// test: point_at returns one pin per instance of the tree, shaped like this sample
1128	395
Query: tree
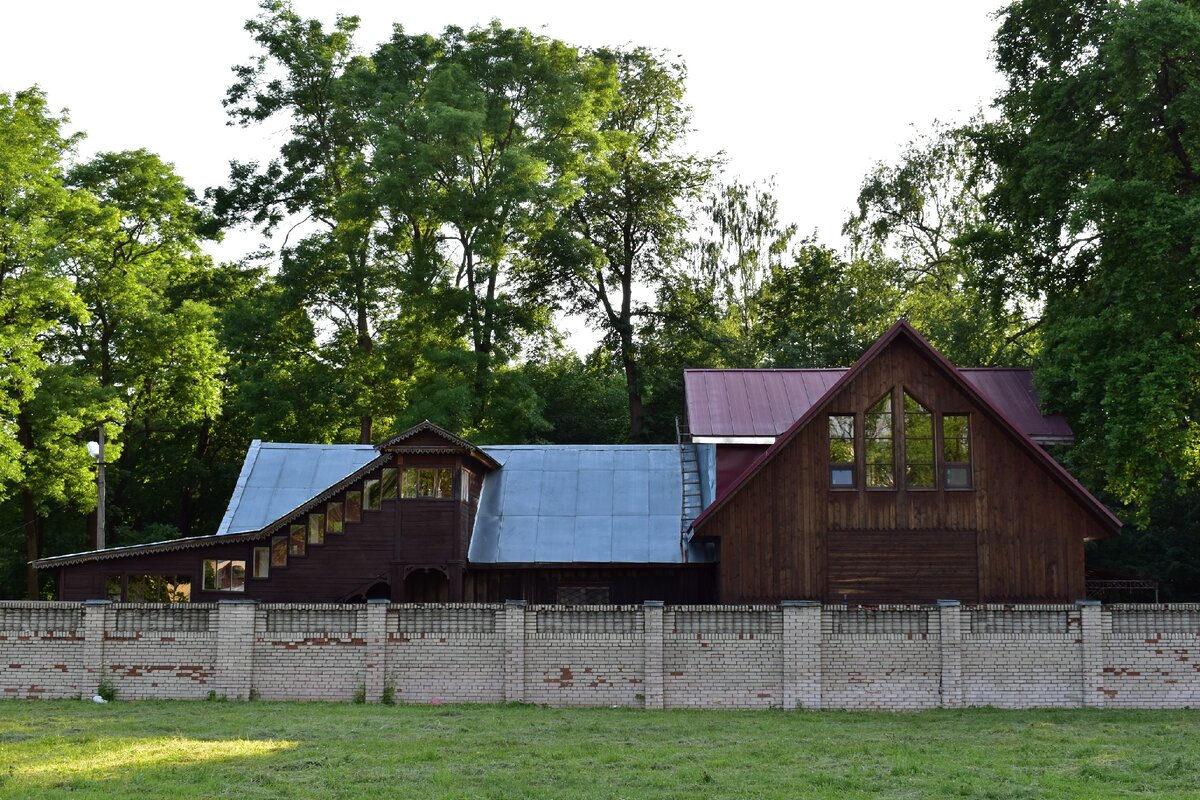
922	222
629	224
1096	151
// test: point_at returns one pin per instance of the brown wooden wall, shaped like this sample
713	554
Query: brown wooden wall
780	531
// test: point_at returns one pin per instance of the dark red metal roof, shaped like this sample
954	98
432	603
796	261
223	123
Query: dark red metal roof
765	402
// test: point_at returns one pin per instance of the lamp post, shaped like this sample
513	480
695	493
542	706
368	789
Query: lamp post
96	450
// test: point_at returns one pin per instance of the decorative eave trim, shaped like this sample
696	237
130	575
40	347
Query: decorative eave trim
396	443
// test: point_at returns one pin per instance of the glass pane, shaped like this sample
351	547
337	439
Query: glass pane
353	506
958	476
388	486
879	476
410	483
210	575
841	427
112	588
279	551
956	437
425	483
841	451
919	425
237	572
879	451
919	476
224	574
371	494
333	518
262	562
445	487
919	451
841	476
316	528
296	536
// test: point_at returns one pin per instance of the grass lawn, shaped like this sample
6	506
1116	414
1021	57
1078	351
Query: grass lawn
51	749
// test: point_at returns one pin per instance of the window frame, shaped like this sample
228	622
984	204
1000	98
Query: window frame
855	471
255	554
890	396
204	587
934	425
411	479
969	463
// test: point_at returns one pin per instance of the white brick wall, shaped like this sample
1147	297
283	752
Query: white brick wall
796	656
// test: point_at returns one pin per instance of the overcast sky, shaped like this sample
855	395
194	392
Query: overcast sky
813	93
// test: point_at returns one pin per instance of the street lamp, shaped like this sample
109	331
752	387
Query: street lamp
96	451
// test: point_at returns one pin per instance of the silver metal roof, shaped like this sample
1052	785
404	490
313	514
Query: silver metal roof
277	477
547	503
562	504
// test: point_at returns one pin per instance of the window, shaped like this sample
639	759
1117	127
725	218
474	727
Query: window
333	518
956	450
387	486
224	575
842	459
877	440
316	529
353	506
431	482
158	589
262	562
279	551
112	588
371	494
919	470
296	538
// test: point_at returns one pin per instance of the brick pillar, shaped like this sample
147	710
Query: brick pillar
514	651
234	659
801	654
372	627
950	642
1091	653
95	623
652	632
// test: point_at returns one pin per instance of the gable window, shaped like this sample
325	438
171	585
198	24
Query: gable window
262	562
333	517
956	450
371	494
279	551
919	470
428	482
387	485
353	507
224	575
316	529
296	539
877	441
843	460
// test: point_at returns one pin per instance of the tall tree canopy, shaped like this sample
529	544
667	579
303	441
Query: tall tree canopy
1096	154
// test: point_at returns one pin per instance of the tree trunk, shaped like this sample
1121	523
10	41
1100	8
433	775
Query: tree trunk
33	542
633	384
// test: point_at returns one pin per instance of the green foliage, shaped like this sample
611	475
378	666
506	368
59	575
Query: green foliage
1095	152
106	690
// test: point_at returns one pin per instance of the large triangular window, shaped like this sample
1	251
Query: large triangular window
919	468
879	446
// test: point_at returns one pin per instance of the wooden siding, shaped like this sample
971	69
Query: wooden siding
775	531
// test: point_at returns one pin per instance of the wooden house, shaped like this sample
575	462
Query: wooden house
900	479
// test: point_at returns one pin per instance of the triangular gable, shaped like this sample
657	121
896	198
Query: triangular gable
427	437
903	328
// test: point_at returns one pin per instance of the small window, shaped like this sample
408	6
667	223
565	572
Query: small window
297	535
333	518
224	575
583	595
428	482
371	494
842	458
877	439
279	551
112	588
919	470
353	507
262	562
956	450
387	487
316	529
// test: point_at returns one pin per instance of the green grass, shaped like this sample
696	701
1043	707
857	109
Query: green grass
259	750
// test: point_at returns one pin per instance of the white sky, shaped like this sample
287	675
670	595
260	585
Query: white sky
813	93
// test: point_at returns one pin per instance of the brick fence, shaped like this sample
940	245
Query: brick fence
797	655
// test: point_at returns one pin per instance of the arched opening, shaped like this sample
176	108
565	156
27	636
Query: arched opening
426	586
380	591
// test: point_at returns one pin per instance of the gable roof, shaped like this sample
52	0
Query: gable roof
763	403
902	328
398	441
